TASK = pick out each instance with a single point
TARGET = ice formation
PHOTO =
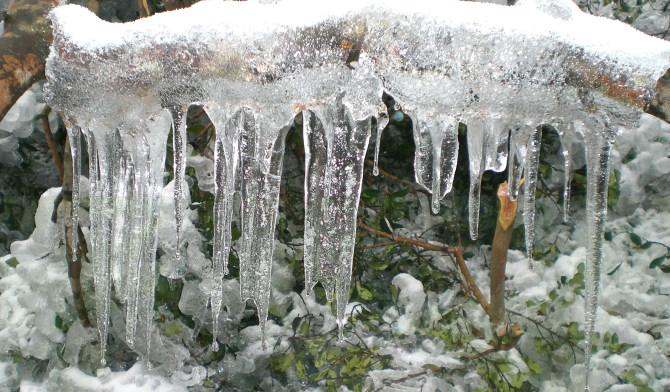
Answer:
(501, 71)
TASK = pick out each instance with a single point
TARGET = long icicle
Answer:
(101, 199)
(261, 149)
(337, 145)
(529, 187)
(225, 169)
(316, 162)
(179, 167)
(74, 134)
(598, 148)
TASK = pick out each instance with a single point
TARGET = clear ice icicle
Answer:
(179, 167)
(225, 169)
(518, 146)
(436, 154)
(566, 153)
(529, 187)
(380, 125)
(316, 162)
(74, 135)
(487, 142)
(337, 144)
(598, 147)
(261, 151)
(101, 143)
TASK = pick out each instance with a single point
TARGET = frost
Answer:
(503, 72)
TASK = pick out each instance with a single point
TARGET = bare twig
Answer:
(51, 143)
(501, 242)
(456, 253)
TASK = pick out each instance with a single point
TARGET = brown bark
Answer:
(23, 49)
(52, 144)
(501, 242)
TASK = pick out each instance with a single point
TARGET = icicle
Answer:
(566, 153)
(517, 158)
(436, 154)
(529, 186)
(261, 151)
(121, 228)
(598, 148)
(146, 147)
(101, 146)
(74, 135)
(316, 162)
(335, 155)
(179, 166)
(487, 141)
(225, 169)
(380, 125)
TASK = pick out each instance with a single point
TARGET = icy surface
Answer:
(503, 72)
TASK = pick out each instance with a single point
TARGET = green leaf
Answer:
(363, 292)
(533, 366)
(635, 238)
(657, 262)
(615, 269)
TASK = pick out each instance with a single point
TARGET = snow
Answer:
(502, 71)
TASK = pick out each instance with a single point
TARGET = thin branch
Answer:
(456, 254)
(55, 156)
(501, 241)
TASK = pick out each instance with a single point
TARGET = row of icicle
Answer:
(126, 171)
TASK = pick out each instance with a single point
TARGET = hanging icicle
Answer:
(598, 148)
(529, 186)
(261, 151)
(178, 113)
(337, 144)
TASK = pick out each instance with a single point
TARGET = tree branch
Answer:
(456, 253)
(51, 143)
(501, 241)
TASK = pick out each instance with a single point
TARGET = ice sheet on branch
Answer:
(500, 71)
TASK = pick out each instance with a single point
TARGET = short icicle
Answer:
(476, 138)
(566, 152)
(598, 148)
(517, 158)
(380, 125)
(529, 187)
(436, 154)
